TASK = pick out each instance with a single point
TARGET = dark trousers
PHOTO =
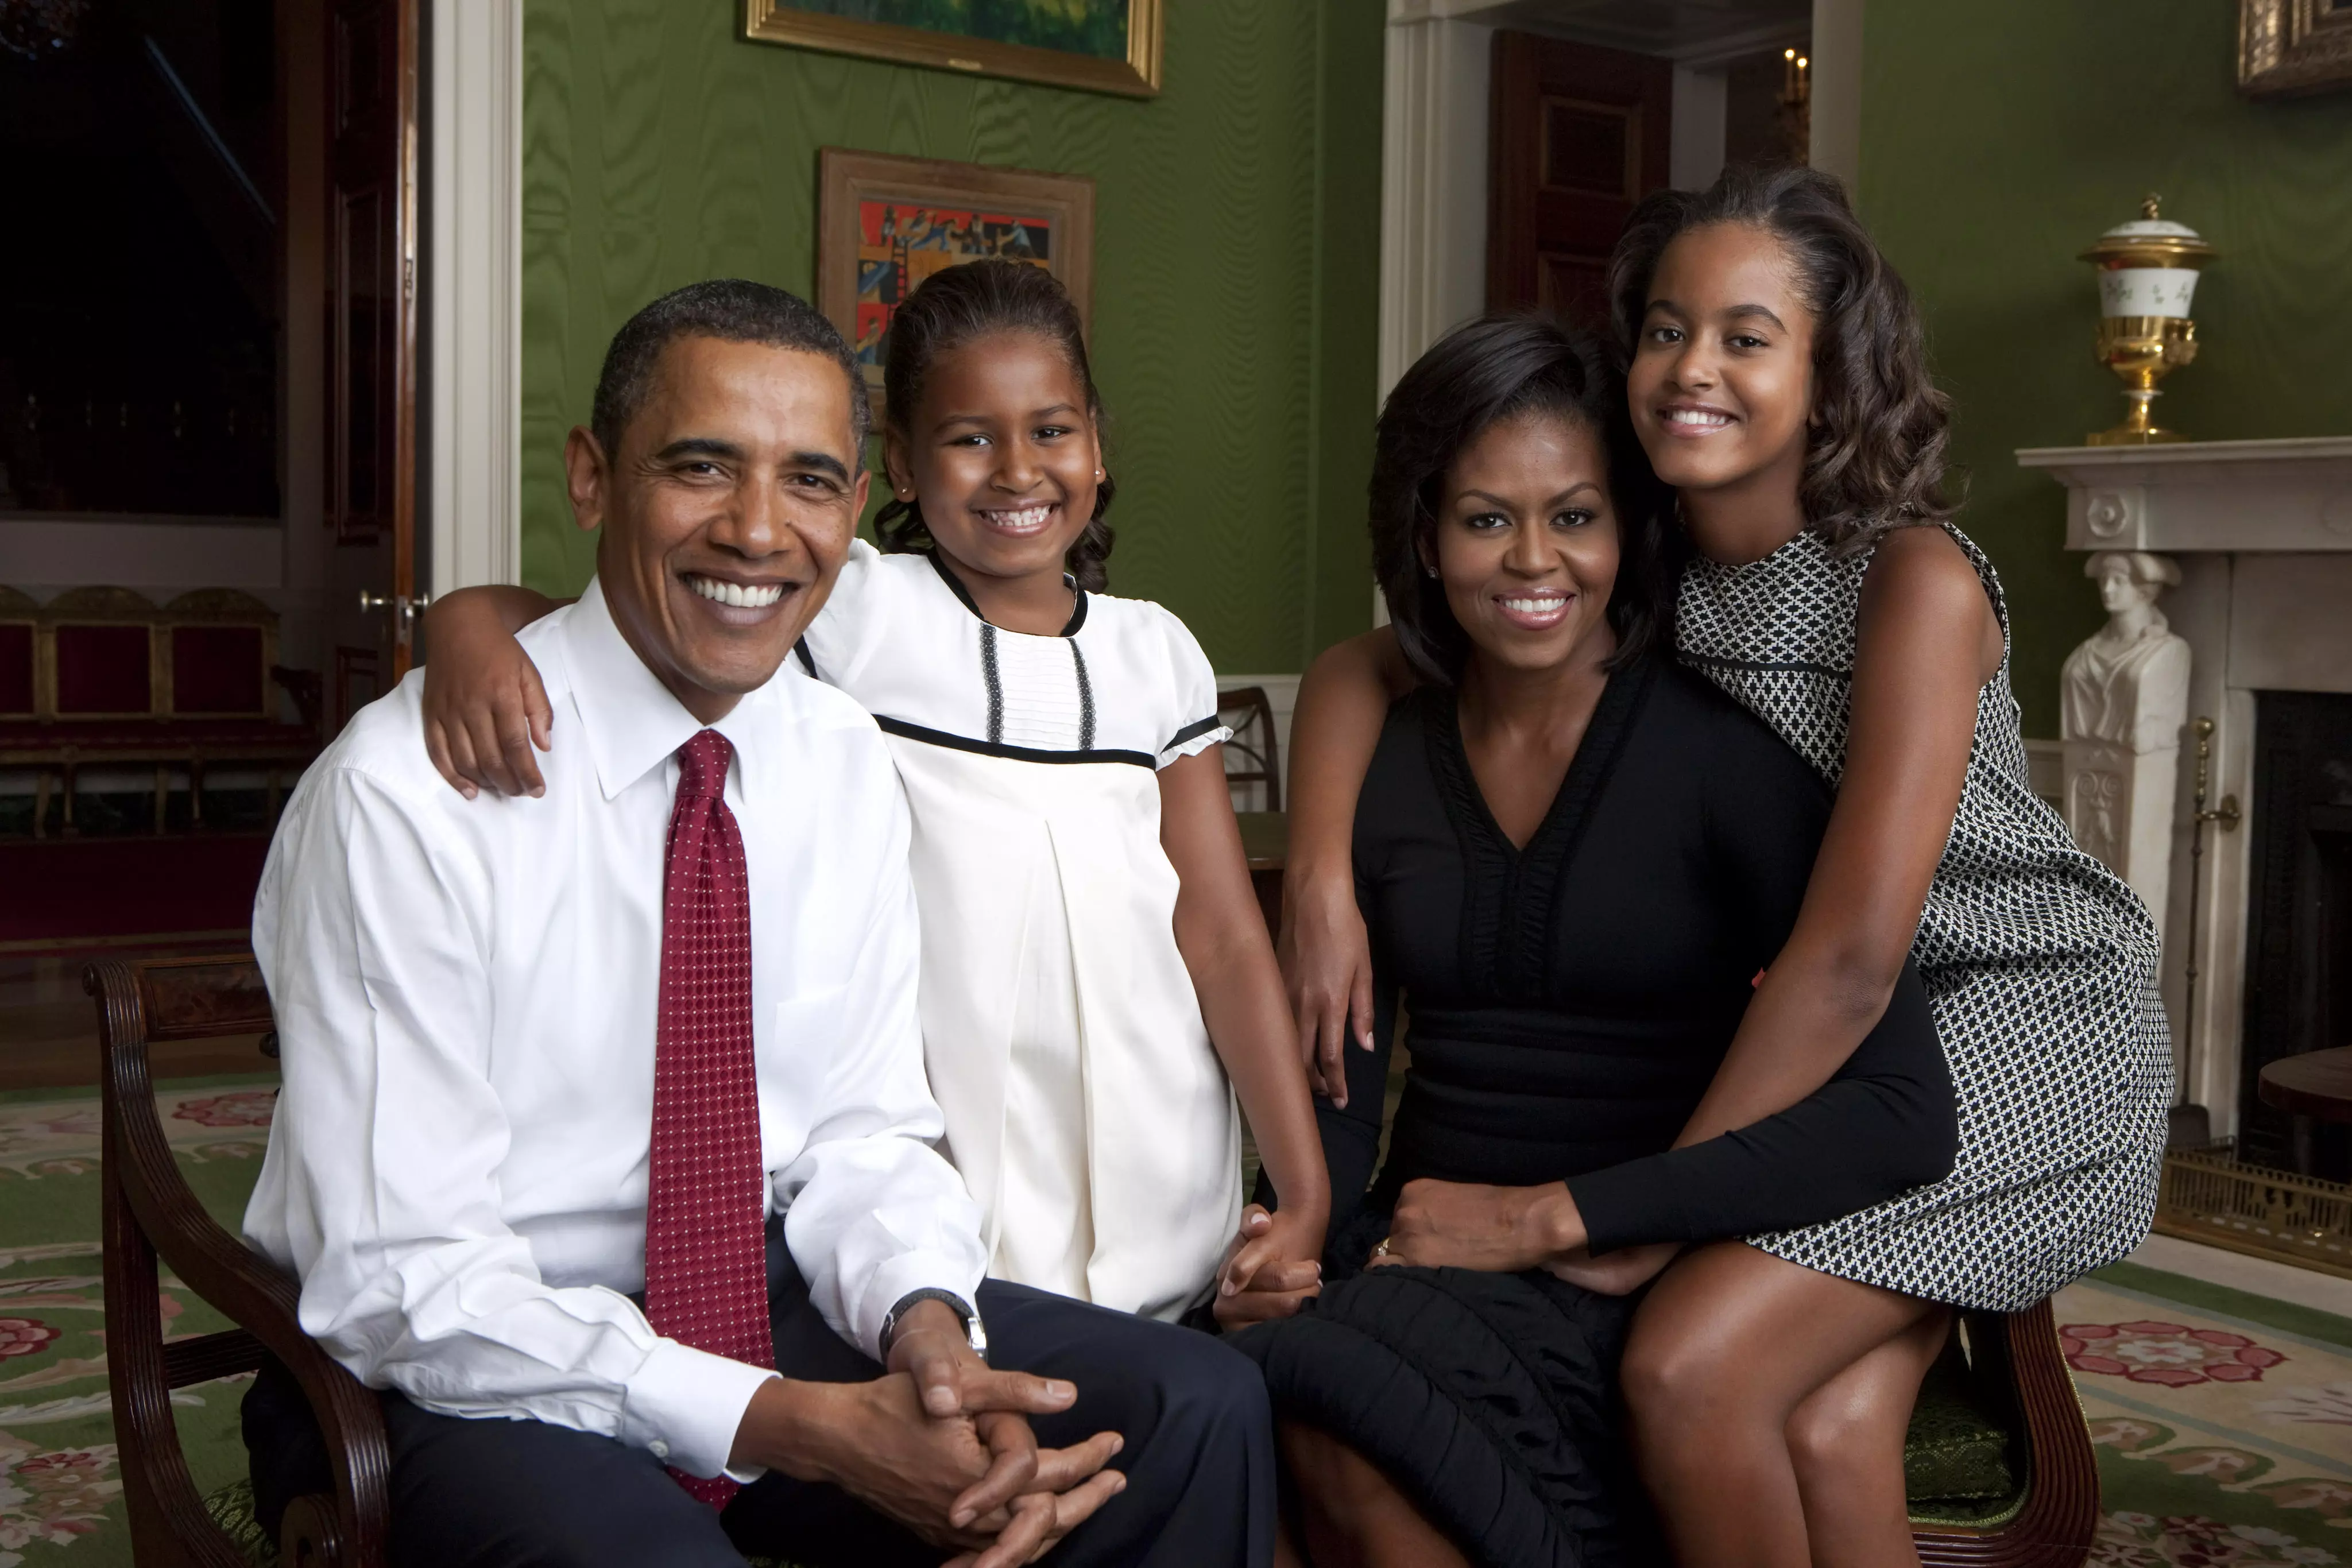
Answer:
(1199, 1461)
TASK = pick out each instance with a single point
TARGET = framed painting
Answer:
(2288, 48)
(1103, 46)
(885, 223)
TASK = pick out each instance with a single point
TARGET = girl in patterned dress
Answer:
(1097, 981)
(1777, 379)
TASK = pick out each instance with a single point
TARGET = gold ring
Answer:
(1382, 1250)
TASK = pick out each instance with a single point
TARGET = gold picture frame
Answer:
(884, 223)
(2288, 48)
(1136, 75)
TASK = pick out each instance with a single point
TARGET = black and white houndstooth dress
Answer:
(2039, 962)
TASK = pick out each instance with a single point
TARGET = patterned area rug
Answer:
(61, 1497)
(2223, 1420)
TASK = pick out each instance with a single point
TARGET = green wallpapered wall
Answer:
(1236, 265)
(1999, 138)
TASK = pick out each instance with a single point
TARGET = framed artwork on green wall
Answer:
(1103, 46)
(885, 223)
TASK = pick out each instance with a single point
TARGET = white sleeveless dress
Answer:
(1085, 1104)
(2039, 962)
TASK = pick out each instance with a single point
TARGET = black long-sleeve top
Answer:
(1569, 1002)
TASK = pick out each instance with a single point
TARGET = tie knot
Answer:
(702, 765)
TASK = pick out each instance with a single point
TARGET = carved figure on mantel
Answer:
(2124, 702)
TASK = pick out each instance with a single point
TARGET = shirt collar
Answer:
(632, 722)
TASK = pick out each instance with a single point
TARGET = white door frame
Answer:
(476, 283)
(1434, 158)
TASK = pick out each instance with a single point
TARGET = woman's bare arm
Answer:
(485, 708)
(1926, 642)
(1221, 932)
(1326, 955)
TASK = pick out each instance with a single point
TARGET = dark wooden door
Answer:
(1579, 134)
(370, 277)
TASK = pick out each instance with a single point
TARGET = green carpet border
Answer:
(2327, 1328)
(91, 1090)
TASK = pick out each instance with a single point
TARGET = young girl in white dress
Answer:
(1097, 979)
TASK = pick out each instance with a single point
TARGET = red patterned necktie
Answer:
(706, 1253)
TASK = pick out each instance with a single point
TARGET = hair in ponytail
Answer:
(949, 308)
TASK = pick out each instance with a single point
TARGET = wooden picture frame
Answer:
(870, 203)
(1136, 76)
(2289, 48)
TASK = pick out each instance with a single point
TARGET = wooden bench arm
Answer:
(151, 1197)
(2061, 1516)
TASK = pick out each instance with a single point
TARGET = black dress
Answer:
(1569, 1002)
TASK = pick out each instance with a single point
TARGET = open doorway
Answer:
(207, 458)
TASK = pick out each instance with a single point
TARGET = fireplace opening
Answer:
(2299, 940)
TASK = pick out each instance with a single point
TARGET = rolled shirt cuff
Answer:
(685, 1406)
(902, 1277)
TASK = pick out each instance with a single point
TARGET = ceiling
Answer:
(1697, 32)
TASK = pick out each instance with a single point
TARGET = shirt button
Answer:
(660, 1449)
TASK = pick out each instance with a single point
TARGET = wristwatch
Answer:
(972, 1328)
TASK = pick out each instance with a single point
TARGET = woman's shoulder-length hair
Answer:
(1496, 369)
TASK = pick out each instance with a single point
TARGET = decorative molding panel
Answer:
(475, 284)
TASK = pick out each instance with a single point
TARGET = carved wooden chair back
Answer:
(1252, 756)
(149, 1215)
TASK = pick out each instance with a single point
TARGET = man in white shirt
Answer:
(604, 1149)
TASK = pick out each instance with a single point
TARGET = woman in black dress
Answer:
(1574, 859)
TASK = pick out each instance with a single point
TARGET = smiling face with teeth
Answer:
(726, 509)
(1722, 386)
(1526, 544)
(1001, 453)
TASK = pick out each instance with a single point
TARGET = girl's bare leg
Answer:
(1846, 1443)
(1349, 1514)
(1729, 1344)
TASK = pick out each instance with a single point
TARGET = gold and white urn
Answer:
(2147, 281)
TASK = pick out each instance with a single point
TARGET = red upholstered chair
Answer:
(114, 681)
(220, 658)
(18, 615)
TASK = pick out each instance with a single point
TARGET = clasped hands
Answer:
(1507, 1230)
(1272, 1269)
(940, 1443)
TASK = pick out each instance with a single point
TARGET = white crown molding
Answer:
(476, 293)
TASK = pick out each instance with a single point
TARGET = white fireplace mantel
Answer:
(2262, 531)
(2238, 496)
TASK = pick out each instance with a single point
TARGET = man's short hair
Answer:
(733, 310)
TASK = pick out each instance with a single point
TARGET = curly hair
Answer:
(1477, 376)
(949, 308)
(1880, 426)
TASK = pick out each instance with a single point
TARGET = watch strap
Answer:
(949, 1299)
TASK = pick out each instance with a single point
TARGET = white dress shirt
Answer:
(466, 994)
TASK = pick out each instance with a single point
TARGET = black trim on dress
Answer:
(955, 586)
(906, 731)
(995, 684)
(1085, 700)
(1198, 726)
